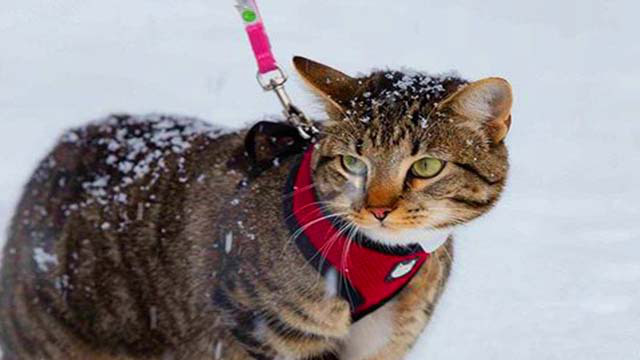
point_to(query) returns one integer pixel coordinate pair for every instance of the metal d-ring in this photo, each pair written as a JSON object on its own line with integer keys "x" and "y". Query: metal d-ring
{"x": 272, "y": 83}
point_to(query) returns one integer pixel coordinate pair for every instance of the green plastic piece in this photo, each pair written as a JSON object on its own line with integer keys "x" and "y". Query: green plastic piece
{"x": 249, "y": 15}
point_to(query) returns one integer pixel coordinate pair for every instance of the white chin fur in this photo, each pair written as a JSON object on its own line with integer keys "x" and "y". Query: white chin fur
{"x": 429, "y": 239}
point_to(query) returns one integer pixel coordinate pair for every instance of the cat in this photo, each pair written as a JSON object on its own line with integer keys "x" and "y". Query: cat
{"x": 147, "y": 238}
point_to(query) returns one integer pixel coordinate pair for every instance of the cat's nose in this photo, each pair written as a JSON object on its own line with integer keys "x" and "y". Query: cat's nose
{"x": 380, "y": 213}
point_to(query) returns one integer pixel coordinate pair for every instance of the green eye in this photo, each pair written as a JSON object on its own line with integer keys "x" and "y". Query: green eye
{"x": 427, "y": 167}
{"x": 354, "y": 165}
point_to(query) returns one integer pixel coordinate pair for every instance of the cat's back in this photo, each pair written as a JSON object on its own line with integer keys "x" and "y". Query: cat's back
{"x": 98, "y": 239}
{"x": 117, "y": 165}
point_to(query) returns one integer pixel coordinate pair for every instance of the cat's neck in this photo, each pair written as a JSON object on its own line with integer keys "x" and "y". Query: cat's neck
{"x": 428, "y": 239}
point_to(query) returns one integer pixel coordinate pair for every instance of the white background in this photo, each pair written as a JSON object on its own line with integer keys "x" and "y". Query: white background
{"x": 552, "y": 273}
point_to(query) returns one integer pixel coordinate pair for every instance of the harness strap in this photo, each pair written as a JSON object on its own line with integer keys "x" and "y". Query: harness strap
{"x": 365, "y": 273}
{"x": 281, "y": 140}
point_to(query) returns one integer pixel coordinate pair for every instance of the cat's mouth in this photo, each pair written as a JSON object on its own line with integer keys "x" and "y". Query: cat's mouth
{"x": 394, "y": 220}
{"x": 401, "y": 229}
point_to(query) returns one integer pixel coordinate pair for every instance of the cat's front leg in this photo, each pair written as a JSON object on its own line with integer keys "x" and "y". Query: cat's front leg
{"x": 390, "y": 332}
{"x": 387, "y": 334}
{"x": 314, "y": 332}
{"x": 273, "y": 317}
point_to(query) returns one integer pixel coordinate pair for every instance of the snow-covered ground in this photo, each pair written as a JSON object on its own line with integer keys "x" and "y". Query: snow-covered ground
{"x": 553, "y": 273}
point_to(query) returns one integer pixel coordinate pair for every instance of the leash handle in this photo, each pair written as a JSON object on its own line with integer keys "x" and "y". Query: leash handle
{"x": 254, "y": 26}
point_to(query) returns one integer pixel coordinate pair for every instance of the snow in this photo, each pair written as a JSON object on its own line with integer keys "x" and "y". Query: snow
{"x": 136, "y": 153}
{"x": 218, "y": 351}
{"x": 228, "y": 242}
{"x": 552, "y": 273}
{"x": 43, "y": 259}
{"x": 331, "y": 283}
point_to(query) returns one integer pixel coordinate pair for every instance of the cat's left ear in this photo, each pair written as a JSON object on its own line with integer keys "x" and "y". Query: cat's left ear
{"x": 336, "y": 87}
{"x": 487, "y": 102}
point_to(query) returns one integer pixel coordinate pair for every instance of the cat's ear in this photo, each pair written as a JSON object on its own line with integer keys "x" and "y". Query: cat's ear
{"x": 487, "y": 102}
{"x": 334, "y": 86}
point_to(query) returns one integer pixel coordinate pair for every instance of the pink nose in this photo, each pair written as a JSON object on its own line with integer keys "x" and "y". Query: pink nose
{"x": 380, "y": 213}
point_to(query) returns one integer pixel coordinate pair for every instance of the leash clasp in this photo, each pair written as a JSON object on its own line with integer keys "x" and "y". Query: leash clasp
{"x": 271, "y": 83}
{"x": 294, "y": 115}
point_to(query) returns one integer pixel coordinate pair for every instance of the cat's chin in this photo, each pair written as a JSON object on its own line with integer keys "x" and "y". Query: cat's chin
{"x": 429, "y": 239}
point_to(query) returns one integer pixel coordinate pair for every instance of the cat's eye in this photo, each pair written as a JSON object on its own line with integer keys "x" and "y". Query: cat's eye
{"x": 427, "y": 167}
{"x": 354, "y": 165}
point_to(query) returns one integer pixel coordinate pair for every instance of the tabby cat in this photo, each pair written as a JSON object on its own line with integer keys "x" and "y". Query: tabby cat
{"x": 149, "y": 237}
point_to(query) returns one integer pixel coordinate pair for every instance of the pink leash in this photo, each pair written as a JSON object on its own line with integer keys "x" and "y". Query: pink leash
{"x": 257, "y": 36}
{"x": 267, "y": 64}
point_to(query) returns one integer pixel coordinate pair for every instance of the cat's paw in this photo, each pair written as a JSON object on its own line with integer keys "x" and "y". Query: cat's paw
{"x": 332, "y": 315}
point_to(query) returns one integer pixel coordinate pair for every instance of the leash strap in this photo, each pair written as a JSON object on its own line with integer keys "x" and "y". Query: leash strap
{"x": 258, "y": 38}
{"x": 270, "y": 76}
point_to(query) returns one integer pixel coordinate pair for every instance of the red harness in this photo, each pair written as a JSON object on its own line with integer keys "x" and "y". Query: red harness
{"x": 368, "y": 273}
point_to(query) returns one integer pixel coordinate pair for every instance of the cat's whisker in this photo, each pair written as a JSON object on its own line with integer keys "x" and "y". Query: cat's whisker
{"x": 304, "y": 188}
{"x": 330, "y": 243}
{"x": 301, "y": 230}
{"x": 311, "y": 223}
{"x": 446, "y": 251}
{"x": 344, "y": 261}
{"x": 320, "y": 203}
{"x": 325, "y": 247}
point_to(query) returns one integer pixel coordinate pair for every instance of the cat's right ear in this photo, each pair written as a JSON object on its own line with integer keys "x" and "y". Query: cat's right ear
{"x": 332, "y": 85}
{"x": 486, "y": 102}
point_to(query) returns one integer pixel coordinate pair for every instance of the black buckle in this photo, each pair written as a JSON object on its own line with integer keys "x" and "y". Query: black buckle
{"x": 268, "y": 142}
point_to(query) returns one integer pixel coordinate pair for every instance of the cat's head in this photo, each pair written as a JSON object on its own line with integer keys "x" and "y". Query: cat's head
{"x": 404, "y": 154}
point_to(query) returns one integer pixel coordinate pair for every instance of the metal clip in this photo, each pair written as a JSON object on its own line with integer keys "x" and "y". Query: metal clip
{"x": 269, "y": 84}
{"x": 294, "y": 115}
